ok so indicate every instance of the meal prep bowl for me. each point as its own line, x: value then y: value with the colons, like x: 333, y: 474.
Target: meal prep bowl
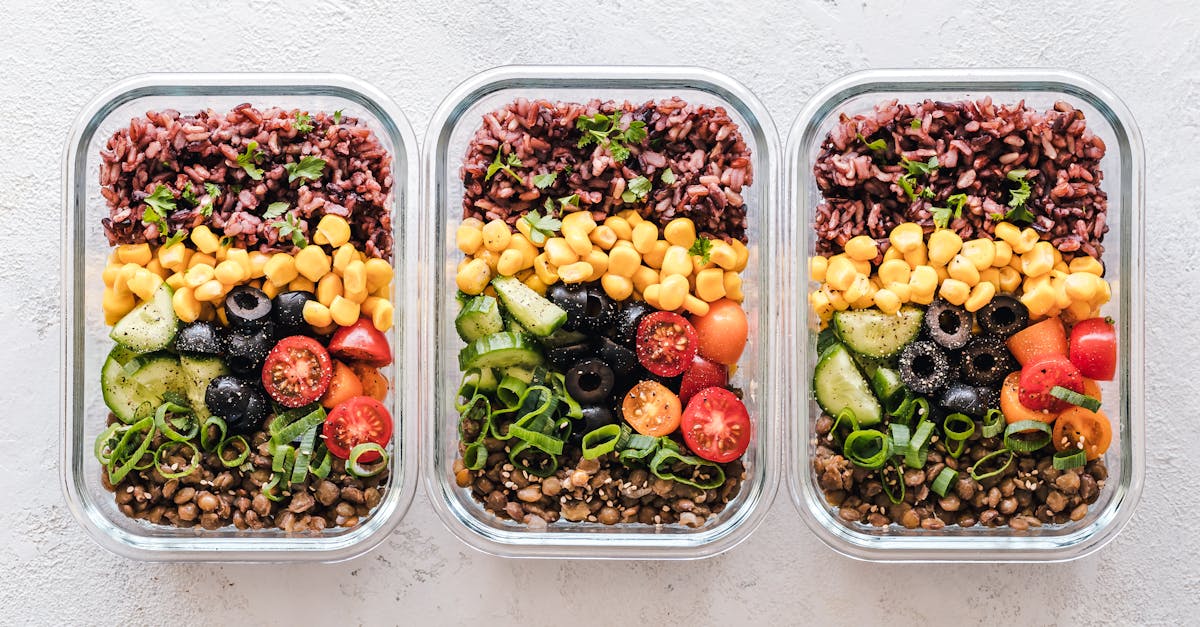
x: 85, y: 334
x: 759, y: 376
x: 1123, y: 166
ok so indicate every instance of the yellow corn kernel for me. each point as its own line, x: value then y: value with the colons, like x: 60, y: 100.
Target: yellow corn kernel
x: 312, y: 263
x: 644, y: 277
x: 1058, y: 281
x: 1080, y: 286
x: 367, y: 307
x: 317, y: 314
x: 1061, y: 266
x: 343, y: 311
x: 840, y: 273
x: 603, y: 236
x: 196, y: 276
x: 1087, y: 264
x: 559, y: 252
x: 281, y: 269
x: 174, y: 257
x: 733, y: 287
x: 1026, y: 241
x: 658, y: 251
x: 1009, y: 233
x: 343, y: 256
x: 328, y: 287
x: 743, y: 255
x: 676, y: 261
x: 258, y: 263
x: 473, y: 277
x: 723, y: 255
x: 184, y: 302
x: 1003, y: 254
x: 862, y: 248
x: 270, y: 289
x: 944, y: 244
x: 651, y: 295
x: 599, y: 262
x: 981, y: 295
x: 894, y: 271
x: 645, y: 234
x: 205, y: 240
x: 577, y: 272
x: 942, y: 273
x: 623, y: 261
x: 887, y: 301
x: 620, y: 226
x: 837, y: 300
x: 991, y: 275
x: 1103, y: 292
x: 379, y: 273
x: 546, y: 272
x: 632, y: 216
x: 1079, y: 310
x: 859, y: 288
x: 919, y: 256
x: 383, y: 316
x: 209, y: 291
x: 135, y: 253
x: 123, y: 275
x: 155, y: 267
x: 902, y: 290
x: 496, y: 235
x: 907, y: 237
x: 695, y: 306
x: 242, y: 258
x: 219, y: 313
x: 817, y: 265
x: 528, y: 251
x: 954, y: 291
x: 1039, y: 260
x: 923, y: 280
x: 674, y: 291
x: 680, y: 232
x: 534, y: 282
x: 1039, y: 300
x: 197, y: 259
x: 710, y: 284
x: 578, y: 241
x: 332, y: 230
x: 117, y: 303
x: 491, y: 258
x: 981, y: 252
x: 893, y: 253
x: 579, y: 220
x: 176, y: 280
x: 230, y: 272
x: 819, y: 301
x: 617, y: 287
x: 1015, y: 263
x: 510, y: 263
x: 301, y: 284
x: 963, y: 269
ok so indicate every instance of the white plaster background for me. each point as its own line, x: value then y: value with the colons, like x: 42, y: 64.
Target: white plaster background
x: 54, y: 56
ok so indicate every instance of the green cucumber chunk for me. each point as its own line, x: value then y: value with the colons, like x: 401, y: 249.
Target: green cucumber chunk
x: 480, y: 316
x: 500, y: 350
x: 838, y: 385
x: 872, y: 333
x: 536, y: 314
x: 153, y: 375
x: 150, y: 326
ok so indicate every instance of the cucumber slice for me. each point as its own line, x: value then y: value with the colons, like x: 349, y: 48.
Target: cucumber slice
x: 562, y: 337
x: 479, y: 317
x: 500, y: 350
x: 838, y: 385
x: 153, y: 376
x: 872, y: 333
x: 538, y: 315
x: 886, y: 383
x: 199, y: 371
x: 150, y: 326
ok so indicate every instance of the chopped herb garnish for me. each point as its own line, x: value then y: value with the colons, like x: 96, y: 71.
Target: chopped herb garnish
x: 226, y: 241
x: 915, y: 124
x: 175, y: 239
x: 602, y: 130
x: 572, y: 200
x: 876, y: 145
x: 159, y: 205
x: 542, y: 181
x: 187, y: 194
x: 308, y: 167
x: 213, y: 190
x: 1020, y: 196
x: 542, y: 226
x: 290, y: 227
x: 637, y: 189
x: 337, y: 116
x: 667, y: 176
x: 920, y: 167
x: 952, y: 210
x: 303, y: 122
x: 275, y: 209
x: 701, y: 248
x: 249, y: 160
x: 512, y: 161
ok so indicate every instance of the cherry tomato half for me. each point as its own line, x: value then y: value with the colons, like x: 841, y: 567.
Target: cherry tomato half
x: 344, y: 385
x: 1094, y: 348
x: 651, y: 409
x: 357, y: 421
x: 1047, y: 337
x: 666, y: 343
x: 716, y: 425
x: 1079, y: 428
x: 723, y: 331
x: 297, y: 371
x: 702, y: 374
x: 361, y: 341
x: 1010, y: 403
x: 1040, y: 376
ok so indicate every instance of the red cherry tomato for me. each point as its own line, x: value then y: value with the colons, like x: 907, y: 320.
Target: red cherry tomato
x: 297, y: 371
x: 716, y: 425
x: 1040, y: 376
x: 723, y: 331
x: 702, y: 374
x: 1094, y: 349
x: 357, y: 421
x: 361, y: 341
x: 666, y: 343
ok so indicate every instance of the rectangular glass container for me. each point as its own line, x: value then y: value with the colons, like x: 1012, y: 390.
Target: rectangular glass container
x: 85, y: 335
x: 449, y: 133
x: 1123, y: 166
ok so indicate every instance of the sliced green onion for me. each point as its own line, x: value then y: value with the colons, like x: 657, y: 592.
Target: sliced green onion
x: 303, y: 455
x: 986, y: 458
x: 1089, y: 403
x: 207, y: 444
x: 601, y: 441
x: 282, y: 458
x: 1026, y: 445
x: 269, y: 488
x: 669, y: 453
x: 475, y: 455
x: 847, y: 416
x: 168, y: 426
x: 544, y: 464
x: 920, y: 407
x: 294, y: 429
x: 192, y: 466
x: 543, y: 442
x: 867, y: 448
x: 242, y: 456
x: 358, y: 470
x: 893, y: 495
x: 918, y: 446
x: 128, y: 463
x: 638, y: 448
x: 945, y: 479
x: 1069, y: 458
x: 993, y: 423
x: 900, y: 438
x: 510, y: 389
x: 468, y: 388
x: 957, y: 427
x: 900, y: 406
x: 321, y: 470
x: 107, y: 441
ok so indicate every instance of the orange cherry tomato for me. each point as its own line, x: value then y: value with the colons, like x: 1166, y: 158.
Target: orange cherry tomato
x: 723, y: 331
x: 652, y: 409
x: 1047, y: 337
x: 1092, y: 389
x: 1080, y: 428
x: 1010, y: 403
x: 343, y: 386
x: 374, y: 384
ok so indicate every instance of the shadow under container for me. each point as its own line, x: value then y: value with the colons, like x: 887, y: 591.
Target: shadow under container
x: 450, y: 131
x: 1124, y: 173
x: 85, y: 335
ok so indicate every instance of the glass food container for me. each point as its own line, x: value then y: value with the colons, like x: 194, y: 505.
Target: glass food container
x: 1123, y: 166
x: 86, y: 341
x: 450, y: 131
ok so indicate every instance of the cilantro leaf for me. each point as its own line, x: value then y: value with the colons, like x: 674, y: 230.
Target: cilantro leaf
x: 542, y: 181
x: 187, y: 194
x: 941, y: 216
x: 275, y: 209
x: 162, y: 200
x: 249, y: 160
x: 618, y: 151
x: 175, y: 239
x: 542, y: 226
x: 512, y: 161
x: 1020, y: 196
x: 308, y: 167
x: 876, y: 145
x: 906, y: 183
x: 667, y: 176
x: 635, y: 134
x: 701, y: 248
x: 572, y: 200
x: 637, y: 189
x: 602, y: 130
x: 303, y: 122
x: 213, y: 190
x: 290, y: 227
x: 920, y: 167
x: 915, y: 124
x: 337, y: 116
x: 952, y: 210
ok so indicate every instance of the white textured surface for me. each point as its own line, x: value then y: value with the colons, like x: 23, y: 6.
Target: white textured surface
x: 54, y: 58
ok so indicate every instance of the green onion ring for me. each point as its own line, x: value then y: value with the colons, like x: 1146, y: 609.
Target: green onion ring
x: 669, y: 453
x: 268, y: 488
x: 241, y: 457
x: 1068, y: 395
x: 846, y: 415
x: 129, y: 463
x: 638, y: 448
x: 212, y: 421
x: 967, y: 430
x: 510, y: 389
x: 918, y: 446
x: 954, y: 448
x: 192, y: 467
x: 282, y: 458
x: 974, y: 469
x: 900, y: 438
x: 993, y: 423
x: 1069, y: 458
x: 867, y: 448
x: 945, y: 479
x: 298, y: 428
x: 358, y: 470
x: 894, y: 497
x: 601, y: 441
x: 514, y: 457
x: 475, y: 456
x: 322, y: 469
x: 1013, y: 443
x: 903, y: 410
x: 107, y: 441
x: 921, y: 408
x: 168, y: 428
